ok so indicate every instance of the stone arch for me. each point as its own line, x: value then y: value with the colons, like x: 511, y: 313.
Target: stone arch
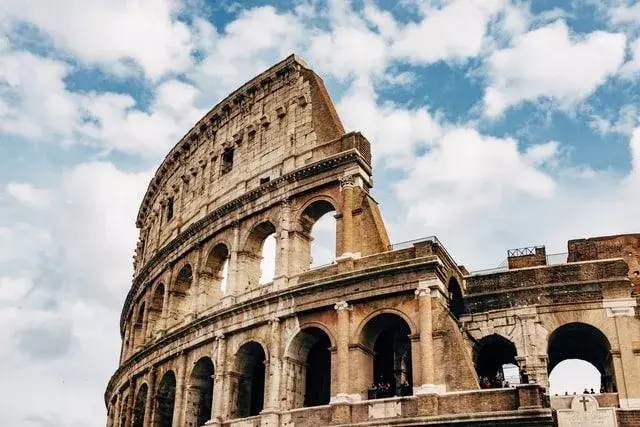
x: 139, y: 406
x: 385, y: 354
x: 456, y: 300
x: 357, y: 336
x: 165, y: 401
x: 251, y: 256
x: 308, y: 368
x: 309, y: 215
x: 180, y: 291
x: 585, y: 342
x: 249, y: 388
x: 154, y: 312
x: 213, y: 275
x: 200, y: 393
x: 490, y: 354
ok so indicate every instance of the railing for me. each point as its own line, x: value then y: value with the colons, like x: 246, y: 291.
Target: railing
x: 530, y: 250
x: 551, y: 259
x: 409, y: 243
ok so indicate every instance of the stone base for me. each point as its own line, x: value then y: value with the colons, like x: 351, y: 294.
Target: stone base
x: 341, y: 413
x: 425, y: 389
x: 270, y: 418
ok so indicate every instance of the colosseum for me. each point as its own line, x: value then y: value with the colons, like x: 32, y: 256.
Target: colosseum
x: 386, y: 334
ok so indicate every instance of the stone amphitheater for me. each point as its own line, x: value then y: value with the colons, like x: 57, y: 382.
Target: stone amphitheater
x: 384, y: 335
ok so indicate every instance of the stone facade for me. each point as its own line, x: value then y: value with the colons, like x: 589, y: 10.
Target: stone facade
x: 386, y: 334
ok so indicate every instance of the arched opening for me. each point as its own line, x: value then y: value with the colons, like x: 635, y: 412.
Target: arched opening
x: 318, y: 241
x: 496, y: 364
x: 256, y: 263
x: 154, y: 314
x: 165, y: 401
x: 250, y: 370
x: 386, y: 337
x: 138, y: 328
x: 582, y: 342
x: 138, y: 408
x: 308, y: 369
x: 456, y: 302
x: 213, y: 277
x: 180, y: 295
x: 200, y: 393
x: 573, y: 376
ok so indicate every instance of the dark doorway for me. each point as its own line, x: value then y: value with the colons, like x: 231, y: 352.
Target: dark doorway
x: 251, y: 375
x: 318, y: 378
x: 165, y: 400
x: 491, y: 353
x: 388, y: 336
x: 200, y: 394
x: 138, y: 409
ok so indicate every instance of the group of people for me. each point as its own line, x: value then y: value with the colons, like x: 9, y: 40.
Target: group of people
x: 497, y: 381
x: 383, y: 388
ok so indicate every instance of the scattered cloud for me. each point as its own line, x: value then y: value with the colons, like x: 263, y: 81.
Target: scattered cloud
x: 548, y: 63
x: 27, y: 194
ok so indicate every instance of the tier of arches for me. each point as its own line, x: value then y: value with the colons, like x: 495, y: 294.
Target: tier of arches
x: 497, y: 361
x: 307, y: 378
x: 232, y: 265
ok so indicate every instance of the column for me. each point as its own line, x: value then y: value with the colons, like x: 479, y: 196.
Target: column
x: 181, y: 380
x: 166, y: 302
x: 347, y: 185
x: 151, y: 397
x: 218, y: 383
x: 195, y: 288
x: 423, y: 295
x: 116, y: 414
x: 283, y: 246
x: 132, y: 400
x: 275, y: 365
x: 232, y: 269
x: 342, y: 343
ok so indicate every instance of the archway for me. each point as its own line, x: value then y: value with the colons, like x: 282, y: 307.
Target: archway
x: 495, y: 358
x: 308, y: 369
x: 583, y: 342
x: 318, y: 224
x: 387, y: 338
x: 200, y: 393
x: 180, y: 295
x: 213, y: 277
x: 256, y: 263
x: 154, y: 313
x: 250, y: 370
x: 138, y: 408
x: 165, y: 401
x: 456, y: 301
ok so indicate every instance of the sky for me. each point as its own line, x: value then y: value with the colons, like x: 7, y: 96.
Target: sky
x: 494, y: 124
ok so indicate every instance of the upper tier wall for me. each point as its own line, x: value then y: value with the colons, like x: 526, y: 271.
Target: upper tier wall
x: 265, y: 129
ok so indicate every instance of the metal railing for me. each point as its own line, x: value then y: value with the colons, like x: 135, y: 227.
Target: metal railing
x: 551, y: 259
x: 529, y: 250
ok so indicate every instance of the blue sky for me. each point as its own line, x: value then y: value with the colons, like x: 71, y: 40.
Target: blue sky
x: 494, y: 124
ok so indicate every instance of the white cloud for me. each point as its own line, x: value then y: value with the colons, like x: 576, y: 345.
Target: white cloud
x: 29, y: 195
x: 393, y: 131
x: 466, y: 170
x: 13, y: 289
x: 454, y: 32
x: 625, y: 13
x: 112, y: 32
x: 623, y: 122
x: 549, y: 63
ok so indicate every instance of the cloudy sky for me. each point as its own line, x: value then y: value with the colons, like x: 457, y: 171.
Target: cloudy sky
x: 494, y: 124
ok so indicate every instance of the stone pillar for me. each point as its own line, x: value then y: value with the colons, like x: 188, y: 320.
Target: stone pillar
x: 623, y: 313
x: 194, y: 292
x: 283, y: 246
x: 427, y: 375
x: 347, y: 185
x: 341, y: 401
x: 116, y: 415
x: 232, y: 269
x: 166, y: 303
x: 151, y: 398
x: 132, y: 400
x: 181, y: 382
x: 218, y: 383
x: 270, y: 415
